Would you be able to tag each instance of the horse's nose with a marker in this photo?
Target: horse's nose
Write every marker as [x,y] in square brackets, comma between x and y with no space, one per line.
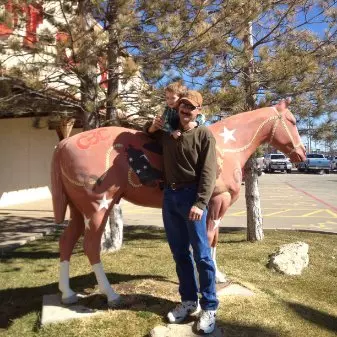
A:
[304,149]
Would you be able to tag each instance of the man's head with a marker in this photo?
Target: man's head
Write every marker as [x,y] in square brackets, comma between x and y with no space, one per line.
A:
[189,106]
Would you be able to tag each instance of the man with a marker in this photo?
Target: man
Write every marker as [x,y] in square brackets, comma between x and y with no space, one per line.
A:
[189,174]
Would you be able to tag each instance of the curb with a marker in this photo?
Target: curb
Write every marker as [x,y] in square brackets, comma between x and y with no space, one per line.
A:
[7,247]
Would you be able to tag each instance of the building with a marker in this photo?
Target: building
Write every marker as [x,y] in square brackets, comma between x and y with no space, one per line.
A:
[31,111]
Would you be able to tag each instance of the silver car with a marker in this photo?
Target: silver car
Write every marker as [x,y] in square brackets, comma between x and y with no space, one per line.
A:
[277,162]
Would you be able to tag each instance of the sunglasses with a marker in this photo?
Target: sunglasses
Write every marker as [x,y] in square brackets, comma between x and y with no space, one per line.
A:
[188,106]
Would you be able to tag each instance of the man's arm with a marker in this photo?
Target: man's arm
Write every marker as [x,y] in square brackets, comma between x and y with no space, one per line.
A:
[207,177]
[157,124]
[208,172]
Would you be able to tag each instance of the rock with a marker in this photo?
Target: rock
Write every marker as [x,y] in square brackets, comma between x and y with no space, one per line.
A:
[290,259]
[159,331]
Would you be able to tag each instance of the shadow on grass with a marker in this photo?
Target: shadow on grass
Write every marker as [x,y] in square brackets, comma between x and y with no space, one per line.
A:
[7,222]
[45,247]
[133,302]
[133,233]
[314,231]
[147,303]
[17,302]
[230,329]
[229,230]
[234,330]
[38,255]
[322,319]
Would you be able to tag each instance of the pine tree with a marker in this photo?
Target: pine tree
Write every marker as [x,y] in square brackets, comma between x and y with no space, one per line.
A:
[209,43]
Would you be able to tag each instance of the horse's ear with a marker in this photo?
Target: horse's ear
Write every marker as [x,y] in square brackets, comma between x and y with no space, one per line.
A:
[284,103]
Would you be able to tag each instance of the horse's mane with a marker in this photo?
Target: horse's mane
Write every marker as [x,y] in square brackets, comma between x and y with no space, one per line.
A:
[246,115]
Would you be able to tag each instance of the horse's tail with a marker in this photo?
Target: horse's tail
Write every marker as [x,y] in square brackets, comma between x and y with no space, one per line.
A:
[60,200]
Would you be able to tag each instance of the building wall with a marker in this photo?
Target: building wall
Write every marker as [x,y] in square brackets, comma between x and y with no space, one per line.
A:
[25,156]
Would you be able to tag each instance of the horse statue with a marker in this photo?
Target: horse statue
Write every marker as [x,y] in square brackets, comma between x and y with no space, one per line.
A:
[93,170]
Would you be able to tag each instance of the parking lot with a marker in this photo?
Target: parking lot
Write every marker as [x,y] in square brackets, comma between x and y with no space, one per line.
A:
[292,201]
[289,201]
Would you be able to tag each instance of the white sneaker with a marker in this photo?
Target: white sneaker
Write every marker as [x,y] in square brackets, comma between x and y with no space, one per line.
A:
[182,310]
[206,322]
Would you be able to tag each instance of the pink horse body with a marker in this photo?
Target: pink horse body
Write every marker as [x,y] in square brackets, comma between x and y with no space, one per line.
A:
[93,170]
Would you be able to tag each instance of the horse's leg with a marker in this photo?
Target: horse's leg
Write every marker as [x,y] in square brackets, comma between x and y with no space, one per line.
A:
[67,242]
[217,208]
[92,245]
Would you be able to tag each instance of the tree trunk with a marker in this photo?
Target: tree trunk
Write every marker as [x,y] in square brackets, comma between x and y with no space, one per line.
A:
[254,214]
[87,72]
[113,64]
[89,95]
[112,238]
[253,206]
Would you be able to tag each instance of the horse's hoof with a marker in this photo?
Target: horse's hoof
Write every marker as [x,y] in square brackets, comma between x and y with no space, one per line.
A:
[221,278]
[70,300]
[225,284]
[115,302]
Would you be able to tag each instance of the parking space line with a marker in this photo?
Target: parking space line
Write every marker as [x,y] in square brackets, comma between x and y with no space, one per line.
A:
[319,225]
[312,213]
[313,197]
[237,213]
[334,215]
[279,212]
[320,213]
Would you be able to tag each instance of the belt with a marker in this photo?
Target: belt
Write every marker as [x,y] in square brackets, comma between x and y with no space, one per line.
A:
[178,186]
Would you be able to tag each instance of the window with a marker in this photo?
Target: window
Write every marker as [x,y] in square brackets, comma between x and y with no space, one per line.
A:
[278,156]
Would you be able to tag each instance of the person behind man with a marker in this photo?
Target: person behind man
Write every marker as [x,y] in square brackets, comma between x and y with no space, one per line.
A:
[190,173]
[170,116]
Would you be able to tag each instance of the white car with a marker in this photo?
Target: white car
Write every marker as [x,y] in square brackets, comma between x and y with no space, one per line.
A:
[277,162]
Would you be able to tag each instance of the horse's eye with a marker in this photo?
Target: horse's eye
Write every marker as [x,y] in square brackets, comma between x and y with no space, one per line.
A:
[292,121]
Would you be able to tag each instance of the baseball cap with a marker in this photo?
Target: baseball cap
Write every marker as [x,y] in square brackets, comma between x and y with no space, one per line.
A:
[193,97]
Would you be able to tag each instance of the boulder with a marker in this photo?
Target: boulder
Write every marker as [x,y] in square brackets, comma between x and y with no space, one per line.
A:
[290,259]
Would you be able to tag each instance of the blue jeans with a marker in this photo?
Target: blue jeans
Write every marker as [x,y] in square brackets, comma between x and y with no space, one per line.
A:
[181,234]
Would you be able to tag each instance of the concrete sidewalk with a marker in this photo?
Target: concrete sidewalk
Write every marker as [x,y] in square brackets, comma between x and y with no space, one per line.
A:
[22,223]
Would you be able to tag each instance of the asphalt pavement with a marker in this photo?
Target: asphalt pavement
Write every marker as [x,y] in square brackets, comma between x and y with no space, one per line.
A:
[288,201]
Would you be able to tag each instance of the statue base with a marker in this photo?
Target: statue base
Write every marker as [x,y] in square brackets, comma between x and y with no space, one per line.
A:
[53,311]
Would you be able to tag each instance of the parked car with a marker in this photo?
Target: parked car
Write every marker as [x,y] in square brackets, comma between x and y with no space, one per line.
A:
[334,163]
[277,162]
[315,162]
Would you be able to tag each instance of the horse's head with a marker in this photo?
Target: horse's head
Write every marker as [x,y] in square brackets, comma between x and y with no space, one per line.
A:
[285,136]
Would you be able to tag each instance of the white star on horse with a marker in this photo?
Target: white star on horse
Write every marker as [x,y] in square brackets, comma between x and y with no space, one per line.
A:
[104,202]
[86,222]
[228,135]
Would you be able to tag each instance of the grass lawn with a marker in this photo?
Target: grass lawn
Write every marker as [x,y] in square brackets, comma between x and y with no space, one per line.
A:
[143,271]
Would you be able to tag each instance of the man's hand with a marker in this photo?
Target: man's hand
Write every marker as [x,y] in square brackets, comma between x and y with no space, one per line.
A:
[157,124]
[194,124]
[176,134]
[195,213]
